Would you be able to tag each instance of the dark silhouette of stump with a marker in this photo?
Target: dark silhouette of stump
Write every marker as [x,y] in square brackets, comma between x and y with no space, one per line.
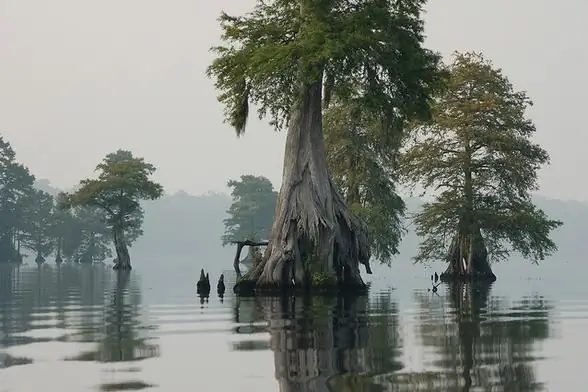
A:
[203,287]
[220,286]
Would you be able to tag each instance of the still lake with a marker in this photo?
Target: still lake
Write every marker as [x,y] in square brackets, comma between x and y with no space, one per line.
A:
[80,328]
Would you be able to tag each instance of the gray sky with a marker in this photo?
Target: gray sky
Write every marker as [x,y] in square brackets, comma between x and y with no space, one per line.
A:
[79,79]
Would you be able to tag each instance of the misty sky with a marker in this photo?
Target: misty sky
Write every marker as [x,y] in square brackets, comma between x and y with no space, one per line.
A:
[80,78]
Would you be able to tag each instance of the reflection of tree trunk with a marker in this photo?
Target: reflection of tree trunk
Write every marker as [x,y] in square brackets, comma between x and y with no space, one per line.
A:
[468,300]
[457,342]
[316,341]
[122,281]
[122,341]
[61,318]
[58,258]
[38,291]
[246,311]
[6,297]
[123,259]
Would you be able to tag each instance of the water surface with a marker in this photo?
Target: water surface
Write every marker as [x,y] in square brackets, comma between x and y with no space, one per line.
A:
[79,328]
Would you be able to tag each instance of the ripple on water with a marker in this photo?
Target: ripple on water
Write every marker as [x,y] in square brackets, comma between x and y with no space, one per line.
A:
[85,321]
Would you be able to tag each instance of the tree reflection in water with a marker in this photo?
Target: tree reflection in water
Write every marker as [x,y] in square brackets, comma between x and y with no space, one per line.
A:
[122,340]
[30,299]
[8,281]
[325,344]
[483,345]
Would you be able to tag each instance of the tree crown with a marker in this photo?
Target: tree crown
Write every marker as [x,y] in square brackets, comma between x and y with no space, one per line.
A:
[479,137]
[368,50]
[123,181]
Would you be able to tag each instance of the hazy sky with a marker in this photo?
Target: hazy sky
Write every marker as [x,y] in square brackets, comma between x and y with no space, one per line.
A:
[80,78]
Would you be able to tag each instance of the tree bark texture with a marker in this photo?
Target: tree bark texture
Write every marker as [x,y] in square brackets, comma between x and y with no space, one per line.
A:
[313,233]
[123,258]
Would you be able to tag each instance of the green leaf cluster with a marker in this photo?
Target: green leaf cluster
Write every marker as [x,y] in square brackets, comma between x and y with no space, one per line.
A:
[366,50]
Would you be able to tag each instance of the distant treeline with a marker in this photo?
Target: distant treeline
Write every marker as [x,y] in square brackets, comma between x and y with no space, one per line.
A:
[32,223]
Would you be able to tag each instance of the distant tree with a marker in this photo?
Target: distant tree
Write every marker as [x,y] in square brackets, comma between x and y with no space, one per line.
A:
[16,186]
[362,154]
[123,181]
[73,237]
[30,219]
[282,57]
[477,154]
[62,224]
[252,211]
[38,221]
[93,235]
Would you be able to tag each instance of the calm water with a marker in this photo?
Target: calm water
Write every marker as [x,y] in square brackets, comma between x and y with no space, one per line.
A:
[80,328]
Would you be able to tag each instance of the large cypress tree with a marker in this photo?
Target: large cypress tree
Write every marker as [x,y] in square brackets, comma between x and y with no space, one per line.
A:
[288,58]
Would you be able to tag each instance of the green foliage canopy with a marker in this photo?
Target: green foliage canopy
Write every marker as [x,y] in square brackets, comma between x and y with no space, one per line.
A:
[31,221]
[38,234]
[16,183]
[362,156]
[368,50]
[123,181]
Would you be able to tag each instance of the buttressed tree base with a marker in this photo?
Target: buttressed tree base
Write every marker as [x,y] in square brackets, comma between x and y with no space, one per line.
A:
[468,260]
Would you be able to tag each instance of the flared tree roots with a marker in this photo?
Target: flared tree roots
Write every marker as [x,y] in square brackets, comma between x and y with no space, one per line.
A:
[468,259]
[315,241]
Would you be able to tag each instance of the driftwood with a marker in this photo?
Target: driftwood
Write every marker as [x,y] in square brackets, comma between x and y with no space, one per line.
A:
[240,245]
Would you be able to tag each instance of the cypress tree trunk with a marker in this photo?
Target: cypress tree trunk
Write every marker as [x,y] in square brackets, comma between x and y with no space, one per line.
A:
[468,258]
[123,259]
[315,240]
